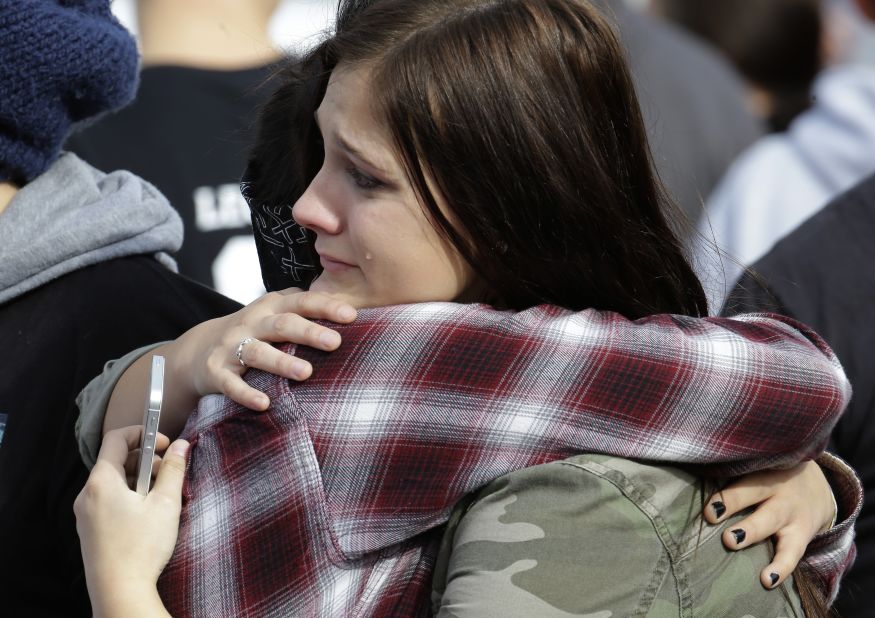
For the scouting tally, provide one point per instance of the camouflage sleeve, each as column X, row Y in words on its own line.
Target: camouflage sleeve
column 600, row 537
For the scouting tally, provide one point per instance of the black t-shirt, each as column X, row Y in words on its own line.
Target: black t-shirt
column 55, row 339
column 823, row 274
column 189, row 132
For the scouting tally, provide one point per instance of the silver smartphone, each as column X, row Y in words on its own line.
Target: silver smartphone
column 151, row 416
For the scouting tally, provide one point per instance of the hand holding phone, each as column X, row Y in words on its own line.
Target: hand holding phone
column 151, row 416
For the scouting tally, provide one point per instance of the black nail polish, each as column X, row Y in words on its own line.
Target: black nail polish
column 774, row 577
column 739, row 535
column 719, row 508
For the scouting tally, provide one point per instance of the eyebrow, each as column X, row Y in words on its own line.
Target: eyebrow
column 345, row 145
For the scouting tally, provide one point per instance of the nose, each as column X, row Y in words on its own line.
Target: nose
column 317, row 209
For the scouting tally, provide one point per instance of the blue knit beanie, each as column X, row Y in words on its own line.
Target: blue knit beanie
column 61, row 62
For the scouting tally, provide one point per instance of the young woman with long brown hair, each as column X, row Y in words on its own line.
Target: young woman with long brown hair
column 470, row 151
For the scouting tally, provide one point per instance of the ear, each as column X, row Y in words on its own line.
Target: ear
column 867, row 7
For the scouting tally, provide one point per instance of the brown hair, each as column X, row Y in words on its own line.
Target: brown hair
column 523, row 114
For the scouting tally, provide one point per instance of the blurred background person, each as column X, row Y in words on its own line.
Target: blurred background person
column 822, row 274
column 786, row 177
column 205, row 68
column 776, row 45
column 82, row 252
column 693, row 101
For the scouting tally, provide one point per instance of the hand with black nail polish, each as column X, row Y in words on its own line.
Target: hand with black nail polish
column 792, row 507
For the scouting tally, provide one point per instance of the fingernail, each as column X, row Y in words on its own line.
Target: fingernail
column 179, row 447
column 719, row 508
column 301, row 369
column 329, row 339
column 346, row 313
column 774, row 577
column 739, row 535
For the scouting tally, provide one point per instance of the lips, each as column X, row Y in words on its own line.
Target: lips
column 333, row 264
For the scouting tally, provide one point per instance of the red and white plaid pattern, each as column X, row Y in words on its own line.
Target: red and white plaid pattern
column 331, row 502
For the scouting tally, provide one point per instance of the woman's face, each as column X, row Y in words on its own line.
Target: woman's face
column 375, row 243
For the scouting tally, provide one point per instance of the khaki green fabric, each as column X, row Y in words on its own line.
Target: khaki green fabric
column 598, row 537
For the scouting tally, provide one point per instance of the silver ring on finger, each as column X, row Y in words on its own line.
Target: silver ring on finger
column 240, row 346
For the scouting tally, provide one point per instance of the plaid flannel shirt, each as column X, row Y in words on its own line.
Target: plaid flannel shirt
column 331, row 503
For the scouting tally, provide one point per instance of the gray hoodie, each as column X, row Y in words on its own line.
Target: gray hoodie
column 73, row 216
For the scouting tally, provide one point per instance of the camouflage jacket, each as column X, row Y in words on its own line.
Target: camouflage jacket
column 600, row 537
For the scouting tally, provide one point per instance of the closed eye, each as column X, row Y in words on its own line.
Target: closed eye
column 362, row 180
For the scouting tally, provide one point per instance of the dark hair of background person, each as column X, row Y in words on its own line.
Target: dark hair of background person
column 775, row 44
column 524, row 116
